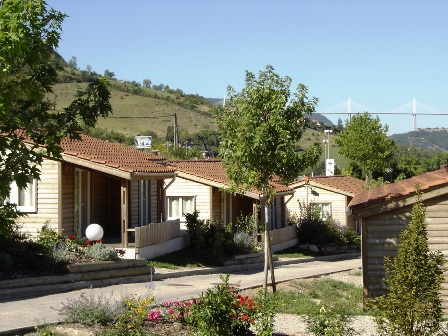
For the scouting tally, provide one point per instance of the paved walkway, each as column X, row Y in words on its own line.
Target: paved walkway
column 27, row 313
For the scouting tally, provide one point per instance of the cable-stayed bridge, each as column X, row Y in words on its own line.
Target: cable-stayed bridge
column 413, row 108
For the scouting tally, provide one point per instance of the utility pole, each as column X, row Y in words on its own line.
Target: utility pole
column 176, row 137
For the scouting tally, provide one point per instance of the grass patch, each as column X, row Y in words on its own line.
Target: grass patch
column 175, row 260
column 295, row 252
column 305, row 297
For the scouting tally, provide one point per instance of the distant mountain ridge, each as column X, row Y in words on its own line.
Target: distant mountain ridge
column 431, row 139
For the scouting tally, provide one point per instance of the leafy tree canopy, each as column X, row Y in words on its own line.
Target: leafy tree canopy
column 29, row 128
column 261, row 127
column 365, row 141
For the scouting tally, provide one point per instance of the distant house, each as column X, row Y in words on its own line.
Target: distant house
column 200, row 185
column 331, row 193
column 96, row 181
column 385, row 211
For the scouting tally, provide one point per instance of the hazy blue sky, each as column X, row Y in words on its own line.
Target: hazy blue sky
column 380, row 53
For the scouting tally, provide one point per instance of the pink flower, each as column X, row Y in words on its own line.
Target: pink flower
column 155, row 315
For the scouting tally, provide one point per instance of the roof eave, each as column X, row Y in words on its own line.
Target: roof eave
column 115, row 171
column 382, row 206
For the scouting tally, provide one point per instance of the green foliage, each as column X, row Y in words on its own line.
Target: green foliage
column 261, row 128
column 130, row 320
column 211, row 241
column 101, row 252
column 222, row 311
column 89, row 310
column 45, row 330
column 30, row 128
column 21, row 255
column 414, row 278
column 329, row 323
column 48, row 237
column 345, row 298
column 365, row 141
column 265, row 317
column 6, row 262
column 312, row 229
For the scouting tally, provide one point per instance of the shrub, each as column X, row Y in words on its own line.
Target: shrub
column 414, row 278
column 329, row 323
column 89, row 310
column 101, row 252
column 244, row 243
column 222, row 311
column 130, row 320
column 6, row 262
column 265, row 317
column 48, row 237
column 211, row 241
column 312, row 229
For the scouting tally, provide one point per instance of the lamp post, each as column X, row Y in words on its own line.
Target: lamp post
column 186, row 148
column 325, row 148
column 166, row 146
column 328, row 131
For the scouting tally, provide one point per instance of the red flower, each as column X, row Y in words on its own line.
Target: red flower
column 71, row 237
column 89, row 242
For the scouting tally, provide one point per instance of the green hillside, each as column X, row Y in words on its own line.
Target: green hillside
column 134, row 114
column 137, row 109
column 434, row 140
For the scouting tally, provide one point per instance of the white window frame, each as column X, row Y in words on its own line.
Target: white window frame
column 324, row 214
column 181, row 210
column 14, row 197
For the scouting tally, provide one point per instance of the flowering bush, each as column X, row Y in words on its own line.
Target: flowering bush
column 223, row 311
column 131, row 319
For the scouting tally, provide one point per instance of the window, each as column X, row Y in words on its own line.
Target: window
column 26, row 198
column 177, row 206
column 323, row 209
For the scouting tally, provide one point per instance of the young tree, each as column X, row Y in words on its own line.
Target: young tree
column 73, row 63
column 30, row 128
column 260, row 129
column 414, row 279
column 365, row 141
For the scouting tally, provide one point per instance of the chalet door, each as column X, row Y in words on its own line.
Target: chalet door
column 82, row 201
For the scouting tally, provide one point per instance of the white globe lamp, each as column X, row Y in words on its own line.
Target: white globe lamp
column 94, row 232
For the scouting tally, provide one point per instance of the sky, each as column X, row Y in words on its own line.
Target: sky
column 379, row 53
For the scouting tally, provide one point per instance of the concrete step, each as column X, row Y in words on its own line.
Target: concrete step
column 82, row 275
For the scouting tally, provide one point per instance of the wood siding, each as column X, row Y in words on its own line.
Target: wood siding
column 380, row 239
column 47, row 201
column 153, row 195
column 68, row 197
column 183, row 187
column 135, row 204
column 318, row 195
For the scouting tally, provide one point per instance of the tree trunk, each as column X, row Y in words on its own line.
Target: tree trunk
column 267, row 242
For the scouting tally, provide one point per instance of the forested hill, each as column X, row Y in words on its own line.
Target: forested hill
column 435, row 140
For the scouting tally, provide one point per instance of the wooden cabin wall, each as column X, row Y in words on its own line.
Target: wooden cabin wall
column 47, row 201
column 380, row 239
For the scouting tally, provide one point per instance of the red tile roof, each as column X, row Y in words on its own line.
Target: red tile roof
column 113, row 155
column 346, row 185
column 401, row 189
column 213, row 170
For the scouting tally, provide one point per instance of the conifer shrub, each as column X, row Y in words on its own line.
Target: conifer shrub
column 414, row 278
